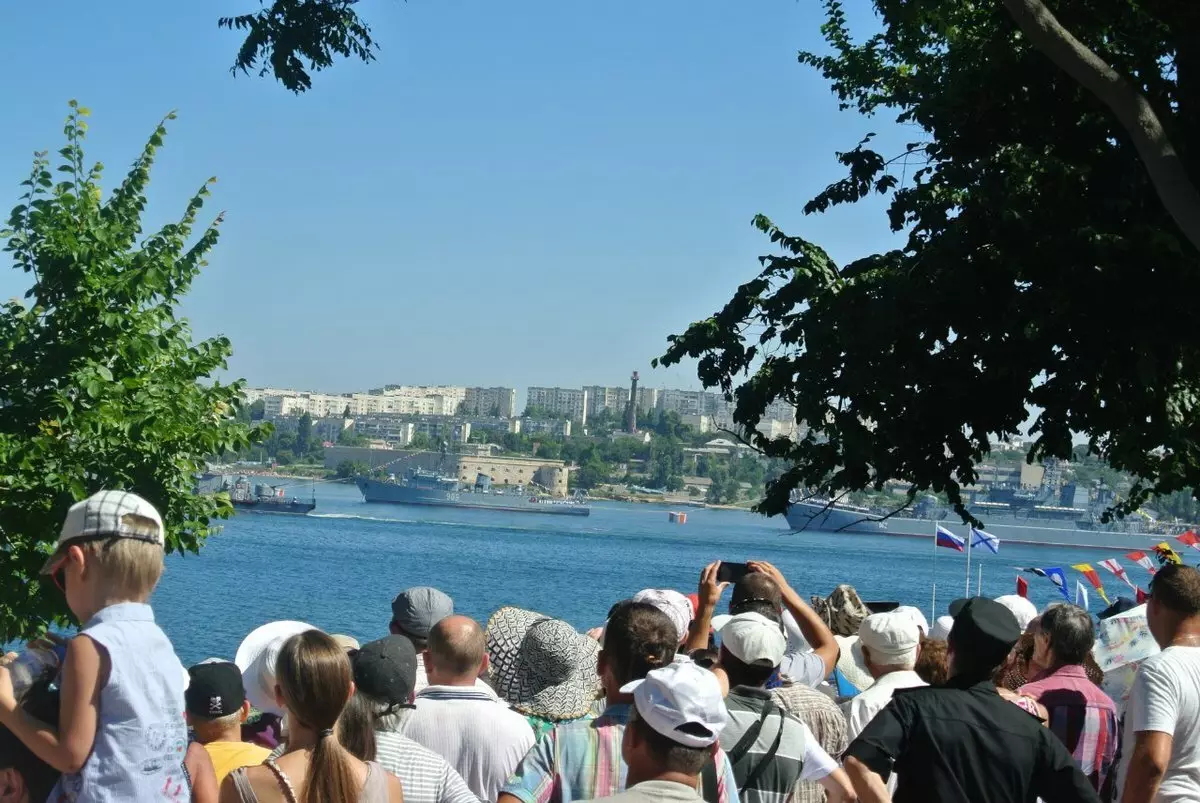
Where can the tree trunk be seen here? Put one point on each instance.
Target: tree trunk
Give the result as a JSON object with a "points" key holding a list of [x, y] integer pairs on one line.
{"points": [[1176, 191]]}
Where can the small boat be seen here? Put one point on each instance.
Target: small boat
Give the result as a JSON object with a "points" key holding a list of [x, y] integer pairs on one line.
{"points": [[263, 498]]}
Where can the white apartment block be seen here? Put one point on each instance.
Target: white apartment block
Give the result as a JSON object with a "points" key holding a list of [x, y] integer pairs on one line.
{"points": [[601, 398], [486, 401], [438, 400], [570, 402]]}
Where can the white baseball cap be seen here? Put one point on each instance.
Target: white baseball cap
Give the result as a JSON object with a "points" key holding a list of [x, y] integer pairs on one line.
{"points": [[676, 606], [679, 695], [891, 637], [941, 628], [1024, 610], [917, 617], [109, 514], [752, 638]]}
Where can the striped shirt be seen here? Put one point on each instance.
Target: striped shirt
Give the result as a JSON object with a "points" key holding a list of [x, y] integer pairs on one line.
{"points": [[797, 756], [481, 737], [425, 776], [1083, 716], [826, 721], [581, 760]]}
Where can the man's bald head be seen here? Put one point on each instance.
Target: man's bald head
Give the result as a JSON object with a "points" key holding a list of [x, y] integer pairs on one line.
{"points": [[457, 651]]}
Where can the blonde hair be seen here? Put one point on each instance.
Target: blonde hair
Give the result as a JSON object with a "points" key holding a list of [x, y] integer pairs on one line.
{"points": [[129, 567], [208, 730]]}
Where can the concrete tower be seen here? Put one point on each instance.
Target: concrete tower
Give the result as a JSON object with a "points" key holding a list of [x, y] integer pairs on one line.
{"points": [[631, 413]]}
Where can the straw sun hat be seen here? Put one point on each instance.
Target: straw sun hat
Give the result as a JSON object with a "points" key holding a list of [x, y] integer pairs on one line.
{"points": [[541, 666]]}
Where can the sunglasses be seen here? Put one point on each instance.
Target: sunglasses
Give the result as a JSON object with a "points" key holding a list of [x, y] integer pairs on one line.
{"points": [[59, 575]]}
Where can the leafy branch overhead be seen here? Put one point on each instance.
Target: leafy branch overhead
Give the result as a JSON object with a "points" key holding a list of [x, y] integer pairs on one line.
{"points": [[100, 382], [291, 38], [1043, 267]]}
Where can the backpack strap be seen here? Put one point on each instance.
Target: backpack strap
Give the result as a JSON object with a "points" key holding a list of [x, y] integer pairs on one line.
{"points": [[744, 744], [708, 781], [766, 759]]}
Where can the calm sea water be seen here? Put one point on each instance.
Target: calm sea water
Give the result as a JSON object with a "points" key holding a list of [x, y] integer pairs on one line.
{"points": [[340, 567]]}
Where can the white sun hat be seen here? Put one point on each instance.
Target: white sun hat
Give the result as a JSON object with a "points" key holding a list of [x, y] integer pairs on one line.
{"points": [[256, 657]]}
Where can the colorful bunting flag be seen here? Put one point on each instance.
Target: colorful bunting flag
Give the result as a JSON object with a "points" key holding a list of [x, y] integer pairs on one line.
{"points": [[1189, 539], [980, 538], [1142, 596], [1166, 554], [1087, 571], [1081, 597], [1116, 568], [1022, 587], [1143, 560], [949, 540], [1057, 576]]}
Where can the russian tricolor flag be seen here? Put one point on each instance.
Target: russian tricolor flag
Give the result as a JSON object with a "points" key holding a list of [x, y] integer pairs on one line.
{"points": [[949, 540]]}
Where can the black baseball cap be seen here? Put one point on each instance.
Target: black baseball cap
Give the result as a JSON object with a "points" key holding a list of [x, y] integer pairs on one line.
{"points": [[215, 690], [984, 628], [386, 670]]}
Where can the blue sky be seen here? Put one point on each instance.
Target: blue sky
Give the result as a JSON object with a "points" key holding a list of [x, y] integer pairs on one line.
{"points": [[516, 193]]}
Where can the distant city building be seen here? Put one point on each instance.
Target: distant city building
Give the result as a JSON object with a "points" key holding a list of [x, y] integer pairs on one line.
{"points": [[571, 402], [685, 402], [404, 400], [500, 402], [601, 398], [399, 430], [543, 426]]}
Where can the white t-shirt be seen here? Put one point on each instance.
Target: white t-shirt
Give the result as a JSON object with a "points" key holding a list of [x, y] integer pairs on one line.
{"points": [[1166, 698]]}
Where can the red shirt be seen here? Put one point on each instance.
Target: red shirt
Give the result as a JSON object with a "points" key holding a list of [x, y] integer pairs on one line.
{"points": [[1083, 716]]}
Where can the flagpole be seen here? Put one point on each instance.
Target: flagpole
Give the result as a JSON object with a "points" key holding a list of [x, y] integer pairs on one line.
{"points": [[933, 600], [970, 538], [979, 585]]}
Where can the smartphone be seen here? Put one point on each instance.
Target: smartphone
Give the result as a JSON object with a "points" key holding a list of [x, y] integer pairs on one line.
{"points": [[731, 572]]}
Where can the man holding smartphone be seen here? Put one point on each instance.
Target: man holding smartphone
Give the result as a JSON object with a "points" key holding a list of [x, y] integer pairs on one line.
{"points": [[760, 585]]}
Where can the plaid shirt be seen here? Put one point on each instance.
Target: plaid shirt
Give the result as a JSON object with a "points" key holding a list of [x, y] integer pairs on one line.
{"points": [[1083, 716], [581, 760], [827, 722]]}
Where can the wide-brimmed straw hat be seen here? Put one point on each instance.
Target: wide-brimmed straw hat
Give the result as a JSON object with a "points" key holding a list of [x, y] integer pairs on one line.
{"points": [[842, 611], [256, 657], [542, 666]]}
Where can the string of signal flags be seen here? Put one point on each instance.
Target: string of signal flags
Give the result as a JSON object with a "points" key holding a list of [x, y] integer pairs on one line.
{"points": [[1160, 555]]}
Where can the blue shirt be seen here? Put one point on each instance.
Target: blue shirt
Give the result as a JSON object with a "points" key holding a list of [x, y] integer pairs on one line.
{"points": [[141, 737]]}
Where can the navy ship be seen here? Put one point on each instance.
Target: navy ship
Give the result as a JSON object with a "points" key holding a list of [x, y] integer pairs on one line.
{"points": [[1049, 516], [264, 498], [430, 488]]}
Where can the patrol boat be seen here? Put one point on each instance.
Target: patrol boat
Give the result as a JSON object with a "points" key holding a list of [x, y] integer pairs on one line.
{"points": [[433, 489]]}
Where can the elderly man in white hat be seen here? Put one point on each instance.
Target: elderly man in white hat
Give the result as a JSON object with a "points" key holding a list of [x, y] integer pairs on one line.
{"points": [[890, 643], [677, 717]]}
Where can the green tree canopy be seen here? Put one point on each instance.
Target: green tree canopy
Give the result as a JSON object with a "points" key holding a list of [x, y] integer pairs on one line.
{"points": [[101, 385], [1047, 263], [289, 39]]}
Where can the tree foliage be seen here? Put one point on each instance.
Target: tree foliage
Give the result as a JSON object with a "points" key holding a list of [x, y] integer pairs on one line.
{"points": [[1040, 268], [99, 381], [290, 39]]}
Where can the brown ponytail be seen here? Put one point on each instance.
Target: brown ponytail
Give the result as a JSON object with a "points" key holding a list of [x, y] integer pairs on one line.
{"points": [[314, 677]]}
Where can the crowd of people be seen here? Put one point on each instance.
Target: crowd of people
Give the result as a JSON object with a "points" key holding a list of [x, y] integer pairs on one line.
{"points": [[671, 700]]}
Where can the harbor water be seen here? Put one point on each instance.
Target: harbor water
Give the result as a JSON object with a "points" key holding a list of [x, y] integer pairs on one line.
{"points": [[339, 567]]}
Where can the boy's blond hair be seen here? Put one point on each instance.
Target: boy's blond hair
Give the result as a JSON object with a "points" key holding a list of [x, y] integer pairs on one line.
{"points": [[129, 567]]}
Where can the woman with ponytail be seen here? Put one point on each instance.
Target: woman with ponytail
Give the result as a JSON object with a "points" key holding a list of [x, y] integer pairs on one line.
{"points": [[314, 684]]}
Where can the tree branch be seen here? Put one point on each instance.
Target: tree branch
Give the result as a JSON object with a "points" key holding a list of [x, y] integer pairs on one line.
{"points": [[1133, 110]]}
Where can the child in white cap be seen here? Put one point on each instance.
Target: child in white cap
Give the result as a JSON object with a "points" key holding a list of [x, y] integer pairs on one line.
{"points": [[121, 733]]}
